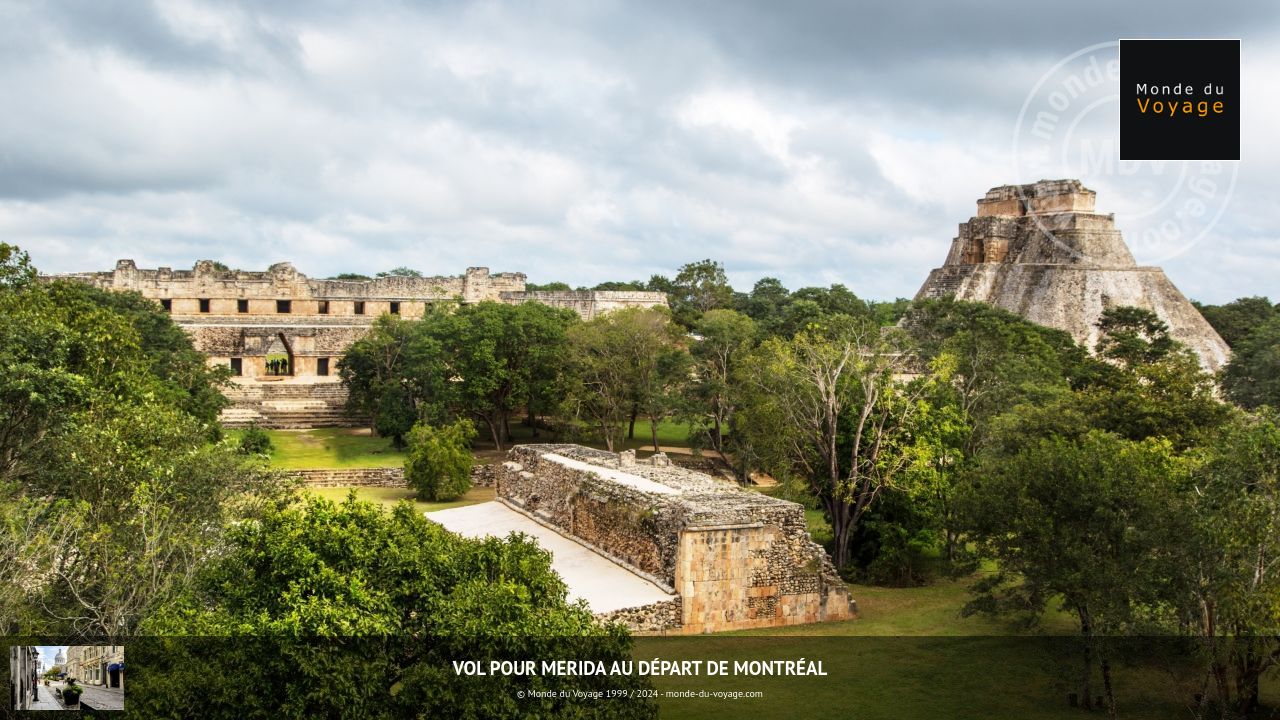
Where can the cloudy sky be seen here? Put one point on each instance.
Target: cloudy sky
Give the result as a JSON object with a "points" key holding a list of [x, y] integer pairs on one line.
{"points": [[582, 141]]}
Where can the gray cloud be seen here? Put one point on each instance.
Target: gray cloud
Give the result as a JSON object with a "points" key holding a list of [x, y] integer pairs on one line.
{"points": [[578, 141]]}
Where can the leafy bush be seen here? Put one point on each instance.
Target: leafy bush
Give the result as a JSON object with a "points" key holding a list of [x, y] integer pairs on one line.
{"points": [[255, 441], [439, 462]]}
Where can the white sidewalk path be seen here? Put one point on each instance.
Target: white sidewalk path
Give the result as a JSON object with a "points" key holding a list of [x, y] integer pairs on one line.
{"points": [[604, 584]]}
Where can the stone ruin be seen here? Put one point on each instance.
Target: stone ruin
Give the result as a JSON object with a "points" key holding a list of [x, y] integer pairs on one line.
{"points": [[731, 559], [282, 333], [1041, 251]]}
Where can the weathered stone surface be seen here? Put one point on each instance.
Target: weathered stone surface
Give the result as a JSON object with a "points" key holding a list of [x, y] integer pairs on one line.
{"points": [[1041, 251], [239, 318], [738, 559]]}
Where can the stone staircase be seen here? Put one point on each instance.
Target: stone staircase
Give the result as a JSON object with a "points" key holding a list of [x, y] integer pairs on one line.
{"points": [[288, 406]]}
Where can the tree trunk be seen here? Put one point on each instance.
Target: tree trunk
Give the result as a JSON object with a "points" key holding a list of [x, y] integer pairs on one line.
{"points": [[1086, 632], [506, 426], [531, 418], [1106, 686], [653, 432], [631, 427], [493, 432], [841, 528]]}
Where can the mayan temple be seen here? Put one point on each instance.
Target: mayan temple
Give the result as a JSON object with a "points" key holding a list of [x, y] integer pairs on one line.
{"points": [[1041, 251]]}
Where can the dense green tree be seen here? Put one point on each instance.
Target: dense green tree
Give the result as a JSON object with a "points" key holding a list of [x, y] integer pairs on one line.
{"points": [[623, 362], [375, 370], [1252, 376], [350, 276], [482, 361], [1219, 552], [723, 338], [1146, 384], [1237, 319], [766, 304], [698, 287], [556, 285], [1078, 520], [105, 440], [348, 611], [439, 461]]}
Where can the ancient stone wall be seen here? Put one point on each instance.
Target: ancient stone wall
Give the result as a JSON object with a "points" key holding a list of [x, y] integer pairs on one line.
{"points": [[238, 317], [355, 477], [737, 559]]}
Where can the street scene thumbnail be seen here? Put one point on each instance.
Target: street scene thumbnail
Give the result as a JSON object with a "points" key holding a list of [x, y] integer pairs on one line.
{"points": [[66, 677]]}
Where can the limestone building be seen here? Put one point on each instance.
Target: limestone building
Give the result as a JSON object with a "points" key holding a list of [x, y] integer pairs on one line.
{"points": [[282, 333], [667, 550], [96, 665], [24, 679], [1042, 251]]}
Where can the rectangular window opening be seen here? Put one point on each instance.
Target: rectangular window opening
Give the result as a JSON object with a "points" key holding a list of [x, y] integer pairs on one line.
{"points": [[322, 366], [322, 307], [359, 307], [237, 367], [242, 306], [395, 307], [204, 305], [284, 306]]}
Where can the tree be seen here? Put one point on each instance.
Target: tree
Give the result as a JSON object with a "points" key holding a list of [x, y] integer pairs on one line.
{"points": [[1076, 518], [1237, 319], [107, 459], [482, 361], [1221, 553], [350, 276], [698, 287], [346, 610], [439, 462], [724, 337], [1146, 384], [623, 362], [766, 305], [401, 271], [1133, 336], [828, 407], [500, 357], [375, 370], [1252, 376], [551, 286]]}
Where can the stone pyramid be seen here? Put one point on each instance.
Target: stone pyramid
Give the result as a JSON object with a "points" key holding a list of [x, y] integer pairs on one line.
{"points": [[1041, 251]]}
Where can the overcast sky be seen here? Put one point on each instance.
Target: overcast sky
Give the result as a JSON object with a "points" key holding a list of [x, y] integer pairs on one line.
{"points": [[578, 141]]}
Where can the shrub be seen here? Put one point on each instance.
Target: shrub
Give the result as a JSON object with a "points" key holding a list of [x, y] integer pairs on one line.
{"points": [[71, 693], [255, 441], [439, 461]]}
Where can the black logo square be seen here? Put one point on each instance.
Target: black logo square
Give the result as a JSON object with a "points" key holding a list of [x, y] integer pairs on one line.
{"points": [[1179, 99]]}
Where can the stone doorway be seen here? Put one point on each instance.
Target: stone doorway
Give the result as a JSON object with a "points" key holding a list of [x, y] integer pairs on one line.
{"points": [[279, 360]]}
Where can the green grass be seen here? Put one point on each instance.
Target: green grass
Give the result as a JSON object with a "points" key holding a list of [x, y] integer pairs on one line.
{"points": [[910, 655], [343, 448], [389, 497], [332, 448]]}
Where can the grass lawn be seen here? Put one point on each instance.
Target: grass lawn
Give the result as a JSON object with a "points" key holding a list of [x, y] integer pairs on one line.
{"points": [[338, 448], [911, 655], [331, 448], [389, 497]]}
